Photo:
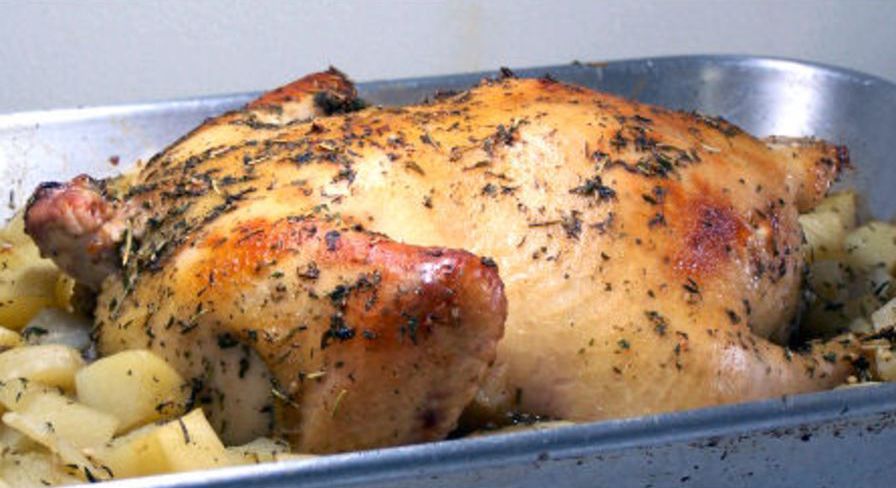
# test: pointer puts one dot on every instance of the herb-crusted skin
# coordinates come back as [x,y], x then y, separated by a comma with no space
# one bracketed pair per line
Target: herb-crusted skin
[647,256]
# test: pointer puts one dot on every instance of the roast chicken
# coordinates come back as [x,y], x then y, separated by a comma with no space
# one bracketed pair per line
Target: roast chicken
[351,276]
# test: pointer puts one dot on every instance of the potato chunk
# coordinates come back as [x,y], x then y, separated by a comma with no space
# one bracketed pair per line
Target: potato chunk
[18,310]
[79,424]
[33,469]
[12,440]
[884,316]
[185,444]
[843,204]
[873,244]
[50,364]
[56,326]
[885,364]
[9,339]
[15,392]
[824,233]
[264,450]
[137,387]
[44,434]
[28,283]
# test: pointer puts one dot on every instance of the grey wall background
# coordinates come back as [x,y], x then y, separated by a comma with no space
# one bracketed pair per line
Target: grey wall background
[64,54]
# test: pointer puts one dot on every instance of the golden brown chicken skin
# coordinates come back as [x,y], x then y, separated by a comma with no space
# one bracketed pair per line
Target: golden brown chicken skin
[647,258]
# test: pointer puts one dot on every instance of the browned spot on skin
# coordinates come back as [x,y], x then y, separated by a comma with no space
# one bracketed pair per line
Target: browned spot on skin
[421,304]
[710,233]
[250,246]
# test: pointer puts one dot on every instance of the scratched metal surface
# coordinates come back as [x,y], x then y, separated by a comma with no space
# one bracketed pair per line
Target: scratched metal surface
[837,438]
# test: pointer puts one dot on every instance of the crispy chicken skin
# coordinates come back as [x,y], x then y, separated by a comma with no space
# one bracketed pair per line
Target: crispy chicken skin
[363,261]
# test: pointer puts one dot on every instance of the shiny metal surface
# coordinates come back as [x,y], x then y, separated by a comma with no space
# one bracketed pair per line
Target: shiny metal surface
[843,438]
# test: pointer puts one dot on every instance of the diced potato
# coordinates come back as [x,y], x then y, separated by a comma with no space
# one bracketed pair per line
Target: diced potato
[830,309]
[15,392]
[9,339]
[17,310]
[121,452]
[14,231]
[828,279]
[879,282]
[862,306]
[44,434]
[65,289]
[33,469]
[884,316]
[56,326]
[873,244]
[191,443]
[843,204]
[861,325]
[12,440]
[263,450]
[293,456]
[79,424]
[27,281]
[885,364]
[50,364]
[824,234]
[188,443]
[829,317]
[137,387]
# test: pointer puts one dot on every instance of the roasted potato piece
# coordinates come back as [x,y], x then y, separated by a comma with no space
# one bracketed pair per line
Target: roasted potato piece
[885,363]
[65,290]
[51,364]
[264,450]
[33,469]
[829,279]
[871,245]
[79,424]
[824,233]
[9,339]
[56,326]
[28,283]
[828,312]
[827,225]
[14,392]
[185,444]
[12,440]
[861,325]
[43,433]
[137,387]
[885,316]
[841,203]
[261,450]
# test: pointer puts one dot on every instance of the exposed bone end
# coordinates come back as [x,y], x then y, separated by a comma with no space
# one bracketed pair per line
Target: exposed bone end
[78,226]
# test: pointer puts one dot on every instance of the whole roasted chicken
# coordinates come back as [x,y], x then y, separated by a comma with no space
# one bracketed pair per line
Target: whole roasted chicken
[352,277]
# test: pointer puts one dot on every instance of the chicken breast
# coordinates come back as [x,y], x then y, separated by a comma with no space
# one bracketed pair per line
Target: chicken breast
[364,262]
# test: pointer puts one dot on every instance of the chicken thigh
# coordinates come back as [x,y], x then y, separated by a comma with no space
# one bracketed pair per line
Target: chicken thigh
[359,265]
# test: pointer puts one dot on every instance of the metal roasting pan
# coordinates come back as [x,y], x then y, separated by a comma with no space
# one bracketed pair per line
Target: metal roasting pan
[836,438]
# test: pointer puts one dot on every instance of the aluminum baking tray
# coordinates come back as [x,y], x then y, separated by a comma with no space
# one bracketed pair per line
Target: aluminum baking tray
[836,438]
